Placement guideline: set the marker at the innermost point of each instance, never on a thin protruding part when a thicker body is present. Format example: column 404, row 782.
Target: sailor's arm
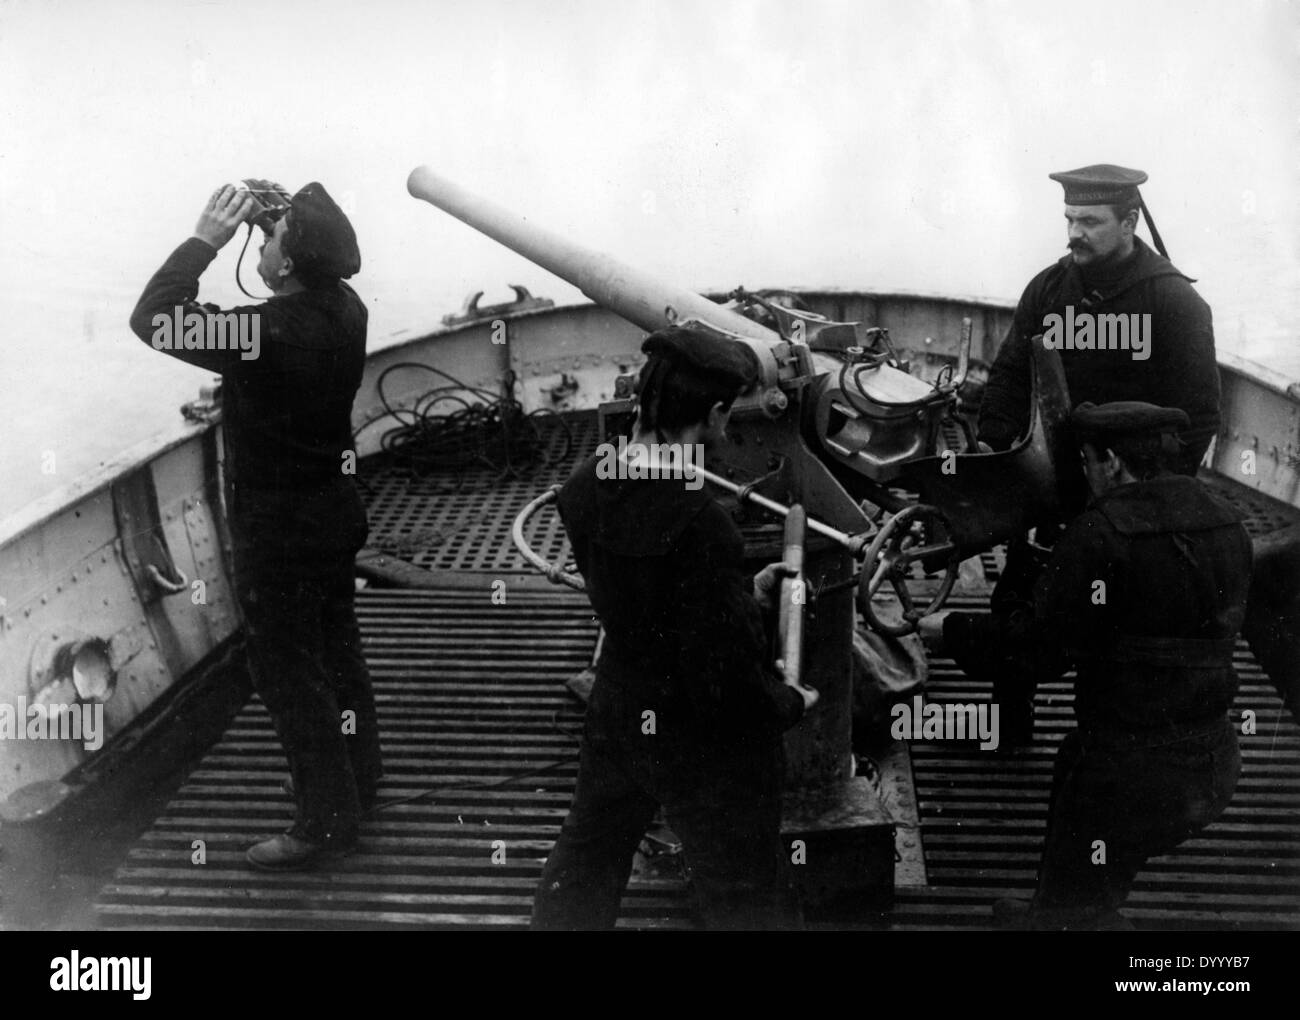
column 768, row 591
column 1004, row 410
column 1188, row 366
column 171, row 294
column 723, row 654
column 1074, row 596
column 1070, row 607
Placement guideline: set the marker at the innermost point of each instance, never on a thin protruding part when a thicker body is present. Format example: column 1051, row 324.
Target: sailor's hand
column 810, row 695
column 931, row 630
column 767, row 582
column 226, row 210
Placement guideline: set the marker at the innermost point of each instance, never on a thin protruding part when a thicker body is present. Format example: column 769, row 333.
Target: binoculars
column 270, row 202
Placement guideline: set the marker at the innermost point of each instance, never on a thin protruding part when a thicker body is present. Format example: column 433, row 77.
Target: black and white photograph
column 651, row 465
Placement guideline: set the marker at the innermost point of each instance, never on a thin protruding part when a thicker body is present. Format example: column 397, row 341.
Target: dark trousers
column 1017, row 665
column 304, row 650
column 724, row 803
column 1138, row 800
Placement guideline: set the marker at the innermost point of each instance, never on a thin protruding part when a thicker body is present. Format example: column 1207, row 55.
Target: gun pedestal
column 838, row 835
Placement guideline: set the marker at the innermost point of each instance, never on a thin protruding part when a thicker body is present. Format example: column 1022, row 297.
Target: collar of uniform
column 1146, row 264
column 1165, row 504
column 630, row 517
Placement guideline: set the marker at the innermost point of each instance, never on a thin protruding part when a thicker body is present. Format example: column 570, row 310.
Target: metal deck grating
column 1263, row 514
column 983, row 819
column 470, row 694
column 450, row 521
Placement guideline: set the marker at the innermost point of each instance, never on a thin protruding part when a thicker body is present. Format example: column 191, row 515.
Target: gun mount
column 839, row 427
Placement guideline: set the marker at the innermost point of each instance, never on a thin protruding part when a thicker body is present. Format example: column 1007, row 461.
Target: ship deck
column 480, row 737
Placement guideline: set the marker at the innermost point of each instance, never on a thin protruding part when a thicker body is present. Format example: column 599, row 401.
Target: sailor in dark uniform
column 296, row 518
column 1144, row 594
column 1109, row 271
column 687, row 709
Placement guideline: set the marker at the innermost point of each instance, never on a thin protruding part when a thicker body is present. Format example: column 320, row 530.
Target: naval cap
column 1100, row 184
column 1127, row 418
column 728, row 363
column 321, row 241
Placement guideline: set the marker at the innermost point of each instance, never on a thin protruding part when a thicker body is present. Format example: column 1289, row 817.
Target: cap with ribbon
column 1100, row 184
column 1107, row 184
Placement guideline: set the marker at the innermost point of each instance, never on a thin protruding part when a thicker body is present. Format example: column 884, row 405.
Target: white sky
column 876, row 144
column 882, row 144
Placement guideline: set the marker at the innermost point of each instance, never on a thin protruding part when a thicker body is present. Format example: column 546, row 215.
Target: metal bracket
column 207, row 408
column 167, row 586
column 471, row 312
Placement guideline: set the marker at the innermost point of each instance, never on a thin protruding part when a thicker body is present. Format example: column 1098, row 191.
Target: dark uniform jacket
column 1180, row 372
column 1153, row 648
column 684, row 636
column 286, row 414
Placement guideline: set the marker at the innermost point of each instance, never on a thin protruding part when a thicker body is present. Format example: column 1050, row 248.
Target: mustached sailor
column 1108, row 271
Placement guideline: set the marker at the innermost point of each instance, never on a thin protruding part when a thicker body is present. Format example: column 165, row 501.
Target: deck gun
column 839, row 426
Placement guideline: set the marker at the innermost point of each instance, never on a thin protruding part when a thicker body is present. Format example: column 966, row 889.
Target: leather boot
column 289, row 853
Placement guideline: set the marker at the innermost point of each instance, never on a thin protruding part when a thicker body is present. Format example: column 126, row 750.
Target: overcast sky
column 872, row 145
column 878, row 144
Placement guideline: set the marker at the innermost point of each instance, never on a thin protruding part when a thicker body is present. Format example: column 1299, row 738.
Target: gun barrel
column 639, row 297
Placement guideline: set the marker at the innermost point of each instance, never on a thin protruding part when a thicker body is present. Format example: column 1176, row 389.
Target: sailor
column 296, row 518
column 1144, row 595
column 1109, row 272
column 687, row 709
